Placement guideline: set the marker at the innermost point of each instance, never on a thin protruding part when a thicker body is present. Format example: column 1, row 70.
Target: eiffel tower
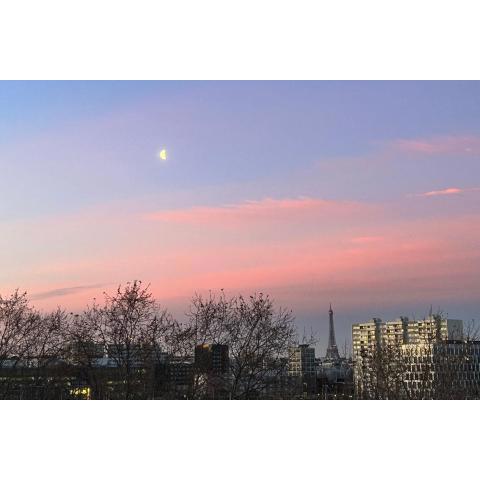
column 332, row 350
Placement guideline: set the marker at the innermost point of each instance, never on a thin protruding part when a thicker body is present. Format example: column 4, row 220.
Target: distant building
column 180, row 375
column 81, row 351
column 402, row 331
column 448, row 369
column 212, row 371
column 335, row 379
column 414, row 359
column 212, row 358
column 301, row 360
column 302, row 370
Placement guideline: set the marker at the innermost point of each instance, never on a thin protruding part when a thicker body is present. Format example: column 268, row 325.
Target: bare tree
column 18, row 322
column 257, row 336
column 382, row 373
column 83, row 351
column 30, row 342
column 47, row 351
column 133, row 330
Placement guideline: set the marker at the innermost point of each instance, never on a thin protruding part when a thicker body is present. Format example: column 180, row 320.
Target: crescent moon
column 163, row 155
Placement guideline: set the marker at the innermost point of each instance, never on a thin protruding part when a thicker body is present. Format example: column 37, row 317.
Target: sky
column 363, row 194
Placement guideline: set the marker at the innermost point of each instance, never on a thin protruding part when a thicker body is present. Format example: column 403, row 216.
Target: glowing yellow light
column 81, row 392
column 163, row 155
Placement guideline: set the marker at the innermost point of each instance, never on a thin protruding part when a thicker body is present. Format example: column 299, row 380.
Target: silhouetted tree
column 382, row 371
column 132, row 330
column 47, row 367
column 258, row 337
column 30, row 343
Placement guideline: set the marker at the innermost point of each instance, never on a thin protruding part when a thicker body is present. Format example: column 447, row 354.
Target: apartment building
column 403, row 331
column 406, row 358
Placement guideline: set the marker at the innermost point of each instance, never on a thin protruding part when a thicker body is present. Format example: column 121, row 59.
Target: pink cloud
column 446, row 191
column 445, row 145
column 280, row 245
column 410, row 260
column 266, row 210
column 435, row 258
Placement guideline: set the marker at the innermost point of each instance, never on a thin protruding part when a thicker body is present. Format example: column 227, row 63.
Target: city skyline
column 363, row 194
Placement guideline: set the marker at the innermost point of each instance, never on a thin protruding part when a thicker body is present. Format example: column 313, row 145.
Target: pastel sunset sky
column 363, row 194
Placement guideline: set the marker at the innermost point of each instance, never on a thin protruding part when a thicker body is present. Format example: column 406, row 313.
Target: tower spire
column 332, row 350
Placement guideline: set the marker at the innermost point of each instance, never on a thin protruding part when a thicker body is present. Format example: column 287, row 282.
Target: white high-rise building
column 403, row 331
column 414, row 358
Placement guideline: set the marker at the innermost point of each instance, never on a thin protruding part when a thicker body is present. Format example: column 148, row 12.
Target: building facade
column 301, row 360
column 212, row 358
column 405, row 358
